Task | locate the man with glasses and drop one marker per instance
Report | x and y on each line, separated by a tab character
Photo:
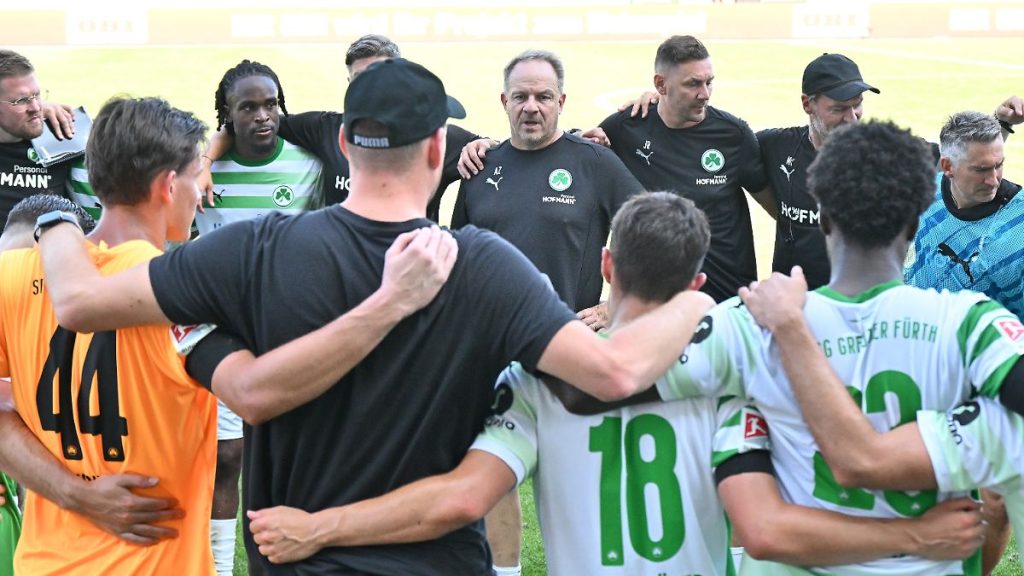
22	111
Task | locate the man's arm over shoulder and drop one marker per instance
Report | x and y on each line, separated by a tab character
632	358
317	132
260	388
85	300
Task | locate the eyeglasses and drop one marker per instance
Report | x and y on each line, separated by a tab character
26	100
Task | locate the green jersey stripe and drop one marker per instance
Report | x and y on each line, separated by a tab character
259	202
290	178
971	322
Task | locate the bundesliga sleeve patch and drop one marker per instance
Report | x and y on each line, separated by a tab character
187	337
754	425
1012	330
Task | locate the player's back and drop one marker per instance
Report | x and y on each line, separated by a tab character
105	403
899	349
629	491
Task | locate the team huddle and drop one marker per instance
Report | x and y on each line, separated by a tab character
380	385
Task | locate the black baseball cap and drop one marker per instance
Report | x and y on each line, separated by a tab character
403	96
835	76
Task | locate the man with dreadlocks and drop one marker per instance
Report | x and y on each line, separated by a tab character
318	132
260	173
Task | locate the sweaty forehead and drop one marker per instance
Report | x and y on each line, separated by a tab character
252	88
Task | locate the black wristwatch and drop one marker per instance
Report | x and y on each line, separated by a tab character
51	219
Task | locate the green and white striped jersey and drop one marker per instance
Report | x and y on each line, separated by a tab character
979	444
80	191
899	349
629	491
287	181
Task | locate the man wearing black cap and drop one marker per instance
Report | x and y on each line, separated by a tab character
413	405
832	95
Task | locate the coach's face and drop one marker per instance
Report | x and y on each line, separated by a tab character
24	120
254	113
825	114
975	179
533	102
685	90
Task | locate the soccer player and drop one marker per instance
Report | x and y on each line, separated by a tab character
319	132
980	443
967	238
629	490
17	233
114	402
280	277
899	349
261	173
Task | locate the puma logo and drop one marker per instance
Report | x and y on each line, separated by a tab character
948	252
494	182
646	157
788	173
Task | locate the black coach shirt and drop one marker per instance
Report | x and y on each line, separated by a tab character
786	154
318	132
22	176
409	410
710	164
555	204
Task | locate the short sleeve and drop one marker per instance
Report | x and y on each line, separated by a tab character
752	176
720	353
620	184
205	281
975	445
991	339
311	130
741	429
510	431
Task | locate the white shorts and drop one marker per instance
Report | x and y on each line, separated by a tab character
229	424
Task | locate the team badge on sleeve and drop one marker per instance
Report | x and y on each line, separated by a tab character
186	337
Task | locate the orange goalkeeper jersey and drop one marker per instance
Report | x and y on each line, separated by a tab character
106	403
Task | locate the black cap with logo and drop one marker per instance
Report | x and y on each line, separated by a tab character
835	76
405	97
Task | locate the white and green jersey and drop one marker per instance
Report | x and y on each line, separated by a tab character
625	492
899	349
979	444
287	181
80	190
